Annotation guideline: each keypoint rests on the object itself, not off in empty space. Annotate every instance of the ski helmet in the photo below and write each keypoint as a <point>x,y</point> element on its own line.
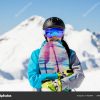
<point>53,22</point>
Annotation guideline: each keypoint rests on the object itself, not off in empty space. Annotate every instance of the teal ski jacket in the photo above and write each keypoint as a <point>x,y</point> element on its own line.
<point>35,77</point>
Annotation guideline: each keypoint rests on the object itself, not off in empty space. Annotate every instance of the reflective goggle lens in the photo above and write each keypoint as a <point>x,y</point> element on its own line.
<point>50,32</point>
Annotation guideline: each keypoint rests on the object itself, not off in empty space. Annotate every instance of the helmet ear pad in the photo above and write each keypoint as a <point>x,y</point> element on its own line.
<point>62,38</point>
<point>45,37</point>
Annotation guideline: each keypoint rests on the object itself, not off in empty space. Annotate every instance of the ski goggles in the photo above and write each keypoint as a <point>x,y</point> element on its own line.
<point>50,32</point>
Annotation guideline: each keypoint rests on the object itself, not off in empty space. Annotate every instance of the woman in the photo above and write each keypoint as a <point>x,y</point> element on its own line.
<point>54,67</point>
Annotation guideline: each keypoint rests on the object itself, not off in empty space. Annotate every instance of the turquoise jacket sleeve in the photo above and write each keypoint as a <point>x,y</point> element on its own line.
<point>35,78</point>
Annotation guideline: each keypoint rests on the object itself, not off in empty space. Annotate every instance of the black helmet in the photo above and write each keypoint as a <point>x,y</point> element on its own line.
<point>53,22</point>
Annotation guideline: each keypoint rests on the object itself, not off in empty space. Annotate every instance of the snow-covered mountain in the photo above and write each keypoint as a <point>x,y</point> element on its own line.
<point>17,45</point>
<point>87,46</point>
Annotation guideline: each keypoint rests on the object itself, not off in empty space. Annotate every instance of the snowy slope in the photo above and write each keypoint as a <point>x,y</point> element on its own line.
<point>17,45</point>
<point>83,43</point>
<point>90,83</point>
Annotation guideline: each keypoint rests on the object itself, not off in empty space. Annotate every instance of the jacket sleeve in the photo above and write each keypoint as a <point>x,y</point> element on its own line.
<point>75,80</point>
<point>34,77</point>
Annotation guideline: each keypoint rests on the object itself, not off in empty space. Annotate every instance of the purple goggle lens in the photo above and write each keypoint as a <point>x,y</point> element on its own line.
<point>50,32</point>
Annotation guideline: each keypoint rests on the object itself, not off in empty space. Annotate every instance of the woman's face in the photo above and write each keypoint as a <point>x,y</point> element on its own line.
<point>54,38</point>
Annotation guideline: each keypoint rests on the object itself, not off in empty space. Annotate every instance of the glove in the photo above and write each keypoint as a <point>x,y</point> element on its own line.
<point>54,86</point>
<point>49,86</point>
<point>65,73</point>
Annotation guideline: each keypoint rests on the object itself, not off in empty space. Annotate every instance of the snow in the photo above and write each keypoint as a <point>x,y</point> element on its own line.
<point>91,81</point>
<point>16,85</point>
<point>69,27</point>
<point>17,45</point>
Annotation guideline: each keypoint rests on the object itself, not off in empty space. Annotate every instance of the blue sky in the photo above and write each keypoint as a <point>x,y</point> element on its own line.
<point>79,13</point>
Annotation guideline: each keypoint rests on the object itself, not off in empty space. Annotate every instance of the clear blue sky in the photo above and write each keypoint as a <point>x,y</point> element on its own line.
<point>80,13</point>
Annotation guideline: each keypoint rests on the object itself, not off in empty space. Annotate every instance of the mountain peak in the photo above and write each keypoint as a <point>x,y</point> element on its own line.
<point>86,30</point>
<point>33,19</point>
<point>69,27</point>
